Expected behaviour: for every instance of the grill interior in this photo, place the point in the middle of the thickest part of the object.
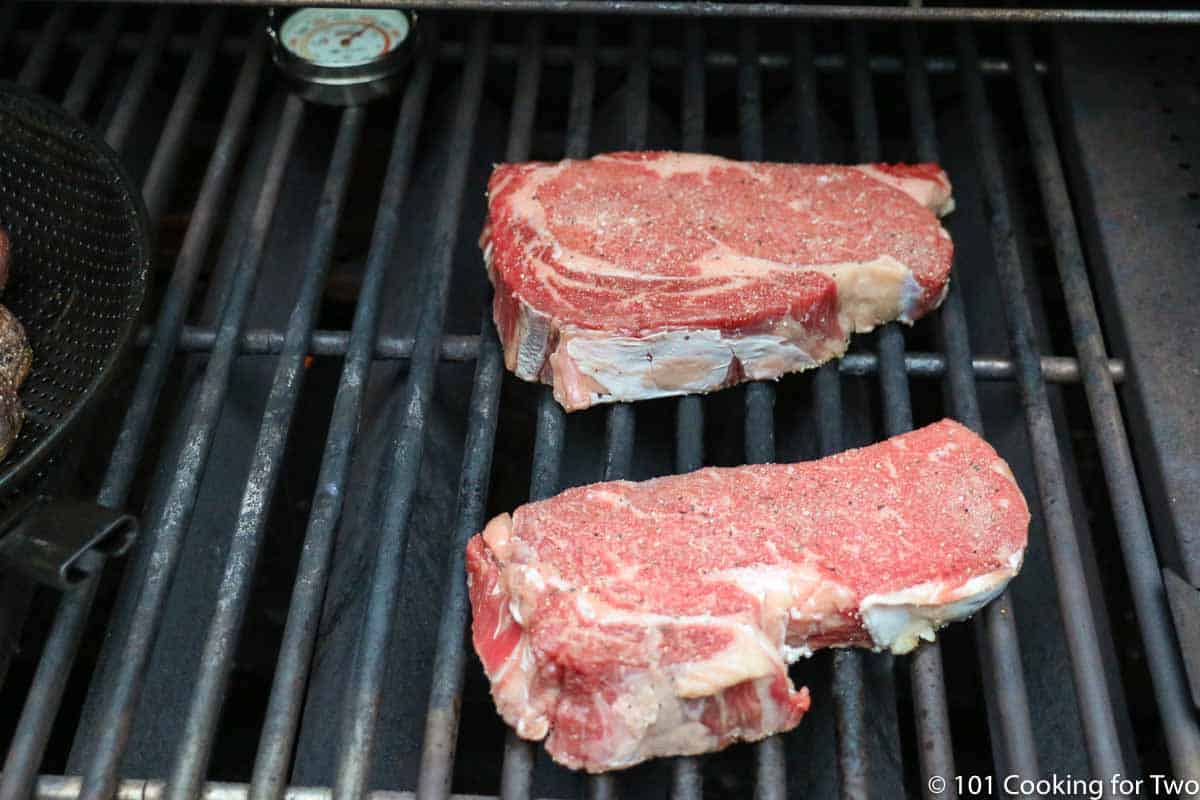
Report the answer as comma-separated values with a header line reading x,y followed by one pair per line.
x,y
321,417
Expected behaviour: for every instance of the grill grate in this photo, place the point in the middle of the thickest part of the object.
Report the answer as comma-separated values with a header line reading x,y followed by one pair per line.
x,y
260,132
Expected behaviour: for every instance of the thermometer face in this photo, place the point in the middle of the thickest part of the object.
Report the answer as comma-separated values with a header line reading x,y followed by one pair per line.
x,y
337,37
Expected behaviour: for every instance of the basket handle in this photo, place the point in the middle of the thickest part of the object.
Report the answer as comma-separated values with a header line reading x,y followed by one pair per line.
x,y
60,541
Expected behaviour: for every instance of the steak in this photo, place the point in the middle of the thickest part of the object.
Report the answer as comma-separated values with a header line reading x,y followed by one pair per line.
x,y
4,251
637,275
622,621
16,359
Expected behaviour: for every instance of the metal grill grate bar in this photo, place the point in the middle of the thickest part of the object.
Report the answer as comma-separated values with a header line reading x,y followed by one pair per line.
x,y
1137,545
934,749
687,779
90,67
771,777
767,10
1094,699
442,719
171,514
58,656
284,707
216,661
160,173
361,708
148,60
41,58
996,632
849,680
516,779
558,55
622,418
925,365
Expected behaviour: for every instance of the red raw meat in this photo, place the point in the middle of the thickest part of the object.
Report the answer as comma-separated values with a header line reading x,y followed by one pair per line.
x,y
638,275
622,621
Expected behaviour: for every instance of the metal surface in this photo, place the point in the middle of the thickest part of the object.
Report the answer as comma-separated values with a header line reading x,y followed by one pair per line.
x,y
53,787
618,81
1184,601
62,543
554,54
730,10
1142,258
266,341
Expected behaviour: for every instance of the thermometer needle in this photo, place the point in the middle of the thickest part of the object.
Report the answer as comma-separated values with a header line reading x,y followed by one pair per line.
x,y
346,41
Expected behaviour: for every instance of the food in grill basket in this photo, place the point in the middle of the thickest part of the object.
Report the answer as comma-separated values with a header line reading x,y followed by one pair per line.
x,y
16,359
637,275
622,621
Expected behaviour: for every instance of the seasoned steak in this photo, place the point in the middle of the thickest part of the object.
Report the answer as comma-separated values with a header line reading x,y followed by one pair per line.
x,y
638,275
16,359
4,254
622,621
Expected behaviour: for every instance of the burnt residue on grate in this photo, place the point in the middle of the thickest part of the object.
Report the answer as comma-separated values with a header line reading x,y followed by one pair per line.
x,y
322,418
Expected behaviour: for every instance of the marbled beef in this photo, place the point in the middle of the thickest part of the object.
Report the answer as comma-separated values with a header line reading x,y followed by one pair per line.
x,y
638,275
622,621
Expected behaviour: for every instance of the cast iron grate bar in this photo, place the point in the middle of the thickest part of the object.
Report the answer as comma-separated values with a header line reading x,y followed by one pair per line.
x,y
216,662
284,708
771,762
150,56
1094,700
687,778
554,55
41,58
767,10
58,655
361,707
848,681
453,649
516,777
621,425
79,92
1137,545
996,630
160,173
934,748
918,364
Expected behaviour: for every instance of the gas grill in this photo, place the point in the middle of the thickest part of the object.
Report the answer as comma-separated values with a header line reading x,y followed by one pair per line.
x,y
319,416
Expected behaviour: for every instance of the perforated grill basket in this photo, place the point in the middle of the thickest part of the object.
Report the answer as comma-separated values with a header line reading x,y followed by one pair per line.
x,y
78,273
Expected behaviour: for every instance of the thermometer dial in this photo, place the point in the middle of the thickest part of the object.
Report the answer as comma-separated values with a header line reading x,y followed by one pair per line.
x,y
342,56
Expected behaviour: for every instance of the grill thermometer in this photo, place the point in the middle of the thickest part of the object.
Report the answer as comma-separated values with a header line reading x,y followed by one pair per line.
x,y
342,56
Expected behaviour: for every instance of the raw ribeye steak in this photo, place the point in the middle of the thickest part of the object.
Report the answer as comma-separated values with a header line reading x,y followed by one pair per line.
x,y
622,621
638,275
